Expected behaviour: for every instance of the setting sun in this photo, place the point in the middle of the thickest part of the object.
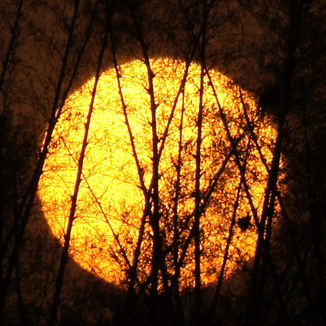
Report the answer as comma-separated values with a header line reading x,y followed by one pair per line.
x,y
118,169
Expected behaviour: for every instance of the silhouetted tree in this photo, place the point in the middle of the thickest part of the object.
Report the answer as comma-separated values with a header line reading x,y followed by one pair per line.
x,y
274,50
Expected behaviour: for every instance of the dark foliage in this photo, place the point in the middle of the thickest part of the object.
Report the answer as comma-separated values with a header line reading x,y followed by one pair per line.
x,y
274,49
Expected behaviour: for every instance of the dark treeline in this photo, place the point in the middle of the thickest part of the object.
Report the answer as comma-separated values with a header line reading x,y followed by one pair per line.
x,y
275,50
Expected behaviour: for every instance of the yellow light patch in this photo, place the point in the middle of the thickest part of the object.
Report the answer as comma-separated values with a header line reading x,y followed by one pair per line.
x,y
110,197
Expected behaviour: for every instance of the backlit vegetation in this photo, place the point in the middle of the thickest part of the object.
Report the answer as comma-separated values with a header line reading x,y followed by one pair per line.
x,y
112,229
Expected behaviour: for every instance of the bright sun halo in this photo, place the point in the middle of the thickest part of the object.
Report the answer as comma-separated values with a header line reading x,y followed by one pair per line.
x,y
110,198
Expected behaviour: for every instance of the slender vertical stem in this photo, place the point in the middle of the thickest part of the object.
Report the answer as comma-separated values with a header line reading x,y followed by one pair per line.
x,y
23,212
132,273
226,254
11,46
198,200
253,313
74,197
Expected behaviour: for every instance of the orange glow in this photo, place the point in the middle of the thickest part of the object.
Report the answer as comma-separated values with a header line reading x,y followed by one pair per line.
x,y
110,197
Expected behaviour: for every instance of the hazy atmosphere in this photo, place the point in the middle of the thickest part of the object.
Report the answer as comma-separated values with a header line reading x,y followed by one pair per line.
x,y
162,162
